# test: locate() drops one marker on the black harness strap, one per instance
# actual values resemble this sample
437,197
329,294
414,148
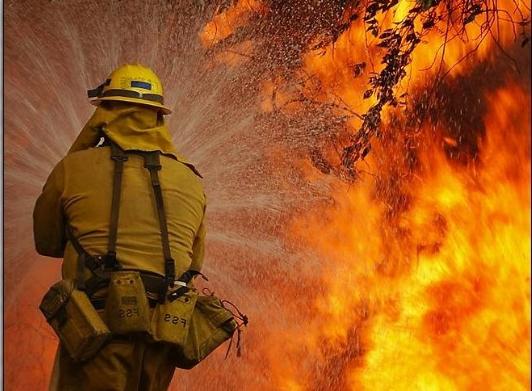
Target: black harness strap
153,164
77,245
96,263
119,157
99,265
93,263
82,256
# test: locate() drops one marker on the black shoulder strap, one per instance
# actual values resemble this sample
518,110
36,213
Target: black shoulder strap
94,263
75,242
119,157
153,164
82,257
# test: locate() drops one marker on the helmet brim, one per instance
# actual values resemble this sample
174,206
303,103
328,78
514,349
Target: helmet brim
165,110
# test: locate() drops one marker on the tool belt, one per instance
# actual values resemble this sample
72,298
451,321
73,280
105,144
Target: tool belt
152,285
136,302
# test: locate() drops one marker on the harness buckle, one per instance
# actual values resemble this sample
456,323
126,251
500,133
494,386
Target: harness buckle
121,158
94,262
111,262
169,272
152,161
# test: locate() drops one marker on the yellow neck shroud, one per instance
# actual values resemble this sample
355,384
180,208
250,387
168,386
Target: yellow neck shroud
131,127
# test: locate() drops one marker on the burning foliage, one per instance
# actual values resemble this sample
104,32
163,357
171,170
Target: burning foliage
389,38
429,286
427,276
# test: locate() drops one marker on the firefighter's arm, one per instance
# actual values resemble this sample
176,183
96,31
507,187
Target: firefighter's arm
48,220
198,248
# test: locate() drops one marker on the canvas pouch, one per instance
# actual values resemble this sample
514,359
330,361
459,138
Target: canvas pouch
171,319
75,321
211,325
126,307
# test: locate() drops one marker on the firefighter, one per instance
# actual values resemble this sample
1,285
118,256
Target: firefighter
122,199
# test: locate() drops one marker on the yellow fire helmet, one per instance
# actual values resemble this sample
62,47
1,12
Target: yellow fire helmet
131,83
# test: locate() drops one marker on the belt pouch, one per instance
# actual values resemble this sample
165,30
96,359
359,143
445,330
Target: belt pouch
171,319
75,321
210,326
126,307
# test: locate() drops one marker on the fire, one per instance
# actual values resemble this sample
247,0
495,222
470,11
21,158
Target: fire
430,291
450,54
439,296
463,309
446,53
225,23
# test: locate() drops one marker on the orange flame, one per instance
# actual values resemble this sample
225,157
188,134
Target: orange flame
450,49
441,301
434,296
225,23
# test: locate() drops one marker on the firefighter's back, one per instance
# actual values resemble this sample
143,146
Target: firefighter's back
88,184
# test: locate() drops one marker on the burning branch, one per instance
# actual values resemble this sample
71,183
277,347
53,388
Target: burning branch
284,32
400,42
